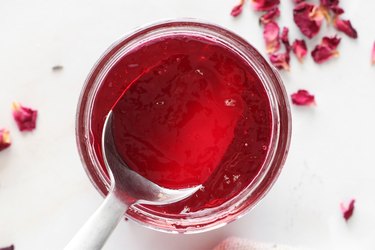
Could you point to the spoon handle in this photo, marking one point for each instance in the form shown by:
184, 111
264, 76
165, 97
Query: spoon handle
98, 228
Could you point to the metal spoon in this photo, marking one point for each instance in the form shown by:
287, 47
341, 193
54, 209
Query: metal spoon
127, 188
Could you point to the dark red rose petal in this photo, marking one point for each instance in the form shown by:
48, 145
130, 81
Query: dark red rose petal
373, 54
269, 16
322, 54
280, 60
308, 18
303, 98
347, 211
271, 37
331, 42
11, 247
326, 49
337, 10
237, 9
4, 139
299, 49
265, 5
298, 1
25, 117
346, 27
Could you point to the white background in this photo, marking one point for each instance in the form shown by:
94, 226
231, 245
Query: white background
45, 195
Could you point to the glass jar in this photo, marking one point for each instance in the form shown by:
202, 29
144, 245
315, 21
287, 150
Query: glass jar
237, 206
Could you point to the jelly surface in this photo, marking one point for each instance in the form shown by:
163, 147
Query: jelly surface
187, 110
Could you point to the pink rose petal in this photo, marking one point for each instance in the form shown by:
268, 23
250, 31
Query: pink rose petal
271, 37
237, 9
303, 98
347, 211
308, 18
329, 3
25, 117
373, 54
299, 49
264, 5
269, 16
5, 141
285, 39
326, 49
345, 26
280, 60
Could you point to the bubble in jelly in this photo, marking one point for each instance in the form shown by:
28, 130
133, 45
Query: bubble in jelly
230, 102
198, 71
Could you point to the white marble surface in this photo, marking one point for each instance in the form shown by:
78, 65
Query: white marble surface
45, 195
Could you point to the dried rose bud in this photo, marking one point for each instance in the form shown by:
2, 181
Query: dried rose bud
280, 60
11, 247
4, 139
347, 211
264, 5
237, 9
308, 18
285, 39
303, 98
271, 37
373, 54
269, 16
299, 49
326, 49
345, 26
25, 117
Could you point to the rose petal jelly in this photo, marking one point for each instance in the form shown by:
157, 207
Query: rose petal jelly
189, 109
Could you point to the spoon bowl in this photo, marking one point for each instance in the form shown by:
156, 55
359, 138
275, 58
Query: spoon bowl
127, 188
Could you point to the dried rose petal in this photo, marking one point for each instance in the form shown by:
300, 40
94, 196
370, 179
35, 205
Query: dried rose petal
280, 60
298, 1
271, 37
337, 10
322, 54
325, 12
269, 16
300, 49
329, 3
264, 5
25, 117
237, 9
332, 5
308, 18
285, 39
346, 27
373, 54
303, 98
11, 247
347, 211
326, 49
4, 139
331, 42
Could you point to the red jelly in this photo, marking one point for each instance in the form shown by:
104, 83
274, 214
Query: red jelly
188, 109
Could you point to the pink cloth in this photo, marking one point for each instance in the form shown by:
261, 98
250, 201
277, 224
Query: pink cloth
244, 244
